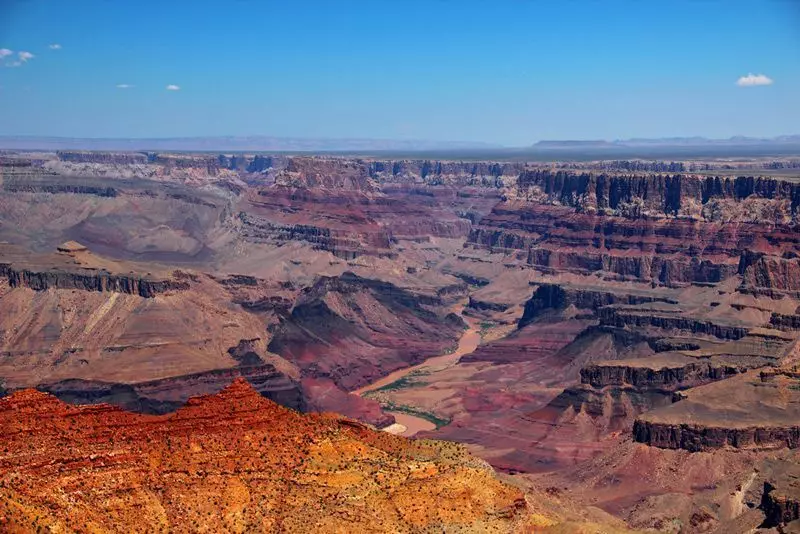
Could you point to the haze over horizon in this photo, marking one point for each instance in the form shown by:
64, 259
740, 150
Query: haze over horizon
510, 74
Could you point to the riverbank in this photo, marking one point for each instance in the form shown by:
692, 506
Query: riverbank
408, 424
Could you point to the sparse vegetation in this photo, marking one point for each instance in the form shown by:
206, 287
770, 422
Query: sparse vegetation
410, 410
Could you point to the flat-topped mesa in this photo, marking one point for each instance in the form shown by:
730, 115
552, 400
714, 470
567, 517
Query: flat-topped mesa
622, 317
668, 371
619, 309
91, 280
118, 158
71, 247
74, 267
746, 411
207, 163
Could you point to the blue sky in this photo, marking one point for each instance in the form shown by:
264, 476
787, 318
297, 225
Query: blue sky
502, 71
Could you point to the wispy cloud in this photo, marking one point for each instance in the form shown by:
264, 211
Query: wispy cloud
5, 58
124, 86
753, 79
172, 87
55, 46
25, 56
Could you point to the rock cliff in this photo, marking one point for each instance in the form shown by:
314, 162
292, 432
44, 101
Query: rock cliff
89, 280
744, 412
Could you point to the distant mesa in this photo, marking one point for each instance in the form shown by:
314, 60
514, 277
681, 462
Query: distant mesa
668, 142
571, 143
70, 247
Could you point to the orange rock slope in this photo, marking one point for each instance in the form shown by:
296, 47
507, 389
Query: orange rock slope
234, 462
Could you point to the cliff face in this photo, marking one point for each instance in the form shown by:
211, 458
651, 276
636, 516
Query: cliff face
235, 462
673, 230
744, 412
763, 273
682, 374
14, 185
621, 317
656, 194
344, 213
90, 281
343, 244
702, 438
780, 500
341, 174
550, 297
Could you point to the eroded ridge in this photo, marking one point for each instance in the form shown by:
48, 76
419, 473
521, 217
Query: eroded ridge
234, 462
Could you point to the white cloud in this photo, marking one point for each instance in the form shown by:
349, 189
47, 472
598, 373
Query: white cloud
124, 86
55, 46
25, 56
172, 87
753, 79
5, 52
14, 64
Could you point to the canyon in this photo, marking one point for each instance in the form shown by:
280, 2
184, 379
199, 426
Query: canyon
572, 324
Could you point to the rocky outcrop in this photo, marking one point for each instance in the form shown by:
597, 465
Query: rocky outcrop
203, 467
461, 173
328, 173
783, 321
654, 373
557, 297
341, 243
611, 409
90, 280
42, 186
637, 318
655, 194
209, 164
744, 412
762, 272
780, 500
700, 437
487, 305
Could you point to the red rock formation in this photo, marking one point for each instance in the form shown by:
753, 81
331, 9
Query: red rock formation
234, 462
353, 330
